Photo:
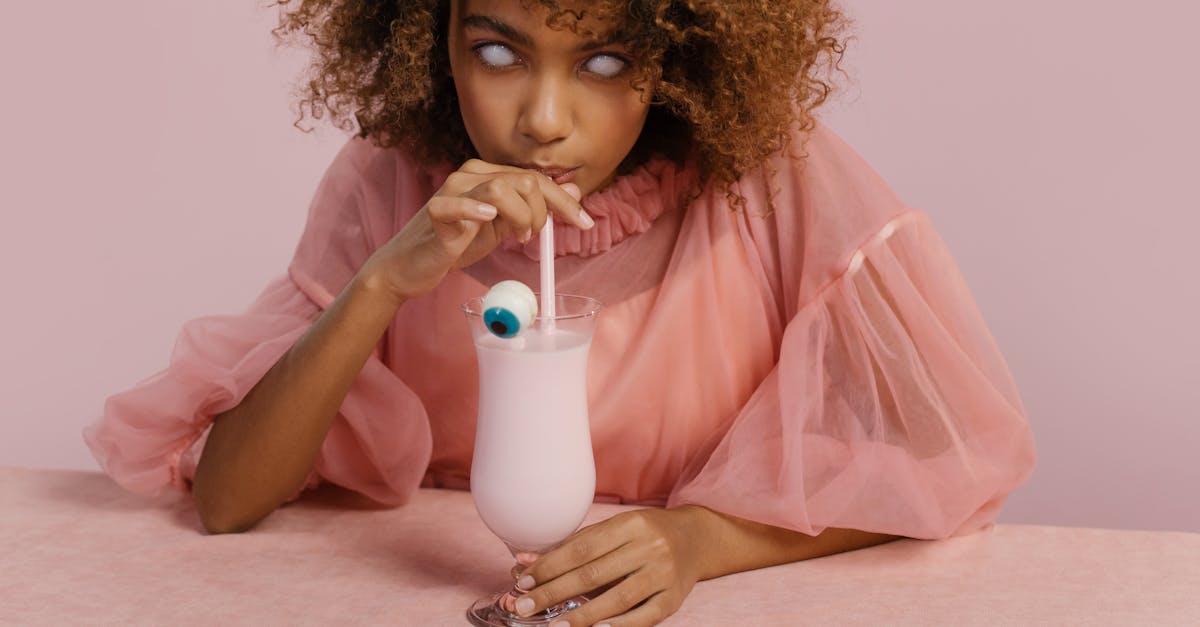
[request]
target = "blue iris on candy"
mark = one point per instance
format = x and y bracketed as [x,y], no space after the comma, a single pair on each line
[502,322]
[509,309]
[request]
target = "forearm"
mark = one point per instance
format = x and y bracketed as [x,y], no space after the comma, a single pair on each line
[734,544]
[260,452]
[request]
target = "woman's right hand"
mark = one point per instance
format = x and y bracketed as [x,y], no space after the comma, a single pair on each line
[478,206]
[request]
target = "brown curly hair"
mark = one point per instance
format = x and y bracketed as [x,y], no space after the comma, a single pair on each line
[730,77]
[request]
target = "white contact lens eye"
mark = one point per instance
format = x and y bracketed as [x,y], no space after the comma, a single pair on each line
[606,65]
[497,55]
[509,308]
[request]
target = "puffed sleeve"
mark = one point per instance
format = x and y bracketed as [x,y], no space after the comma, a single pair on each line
[890,408]
[151,435]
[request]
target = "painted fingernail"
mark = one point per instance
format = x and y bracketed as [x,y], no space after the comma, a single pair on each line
[526,558]
[487,211]
[524,606]
[603,625]
[587,220]
[526,582]
[527,236]
[573,190]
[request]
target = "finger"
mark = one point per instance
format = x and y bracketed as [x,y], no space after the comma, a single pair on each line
[456,221]
[651,612]
[479,166]
[621,600]
[572,190]
[450,209]
[459,181]
[562,200]
[514,211]
[525,558]
[528,185]
[586,578]
[587,545]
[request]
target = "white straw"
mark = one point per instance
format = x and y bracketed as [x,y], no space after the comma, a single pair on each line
[547,267]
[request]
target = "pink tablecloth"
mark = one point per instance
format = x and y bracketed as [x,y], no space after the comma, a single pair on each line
[75,549]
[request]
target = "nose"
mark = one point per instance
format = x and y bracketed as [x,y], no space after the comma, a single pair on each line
[547,114]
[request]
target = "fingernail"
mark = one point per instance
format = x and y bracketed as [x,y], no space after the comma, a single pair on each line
[526,582]
[487,211]
[524,605]
[526,558]
[572,189]
[527,236]
[562,623]
[587,220]
[603,625]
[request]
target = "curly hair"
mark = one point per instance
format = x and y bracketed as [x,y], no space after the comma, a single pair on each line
[730,77]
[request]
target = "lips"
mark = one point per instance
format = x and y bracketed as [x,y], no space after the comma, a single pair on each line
[558,174]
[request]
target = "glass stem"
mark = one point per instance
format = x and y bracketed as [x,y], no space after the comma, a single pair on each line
[508,603]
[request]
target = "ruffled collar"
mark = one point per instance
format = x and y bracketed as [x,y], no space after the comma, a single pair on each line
[626,207]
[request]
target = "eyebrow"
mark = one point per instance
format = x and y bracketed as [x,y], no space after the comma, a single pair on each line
[487,22]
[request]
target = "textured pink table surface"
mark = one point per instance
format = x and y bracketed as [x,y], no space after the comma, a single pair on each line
[75,549]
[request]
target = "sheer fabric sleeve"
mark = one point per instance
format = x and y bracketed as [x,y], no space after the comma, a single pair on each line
[890,408]
[151,435]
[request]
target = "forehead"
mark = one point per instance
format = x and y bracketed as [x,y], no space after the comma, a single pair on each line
[529,17]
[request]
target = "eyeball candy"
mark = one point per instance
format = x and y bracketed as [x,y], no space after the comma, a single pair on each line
[509,308]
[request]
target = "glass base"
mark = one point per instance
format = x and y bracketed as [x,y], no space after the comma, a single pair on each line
[488,612]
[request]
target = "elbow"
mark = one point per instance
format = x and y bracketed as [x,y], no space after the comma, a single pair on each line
[220,515]
[220,523]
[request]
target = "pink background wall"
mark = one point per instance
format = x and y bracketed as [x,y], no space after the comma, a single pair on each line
[149,174]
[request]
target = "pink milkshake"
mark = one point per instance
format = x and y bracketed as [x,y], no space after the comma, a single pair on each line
[532,477]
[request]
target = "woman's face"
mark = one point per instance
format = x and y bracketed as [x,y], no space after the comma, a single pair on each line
[540,98]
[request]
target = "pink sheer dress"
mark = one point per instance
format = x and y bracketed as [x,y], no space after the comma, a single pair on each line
[821,364]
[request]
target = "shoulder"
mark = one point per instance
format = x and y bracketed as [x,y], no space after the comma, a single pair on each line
[818,176]
[810,206]
[365,196]
[361,162]
[379,187]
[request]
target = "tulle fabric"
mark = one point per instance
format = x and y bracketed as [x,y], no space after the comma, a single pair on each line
[889,409]
[813,360]
[152,435]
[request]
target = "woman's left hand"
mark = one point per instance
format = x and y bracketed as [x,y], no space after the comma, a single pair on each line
[652,555]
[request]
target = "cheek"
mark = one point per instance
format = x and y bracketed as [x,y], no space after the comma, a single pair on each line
[637,113]
[482,115]
[621,121]
[630,117]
